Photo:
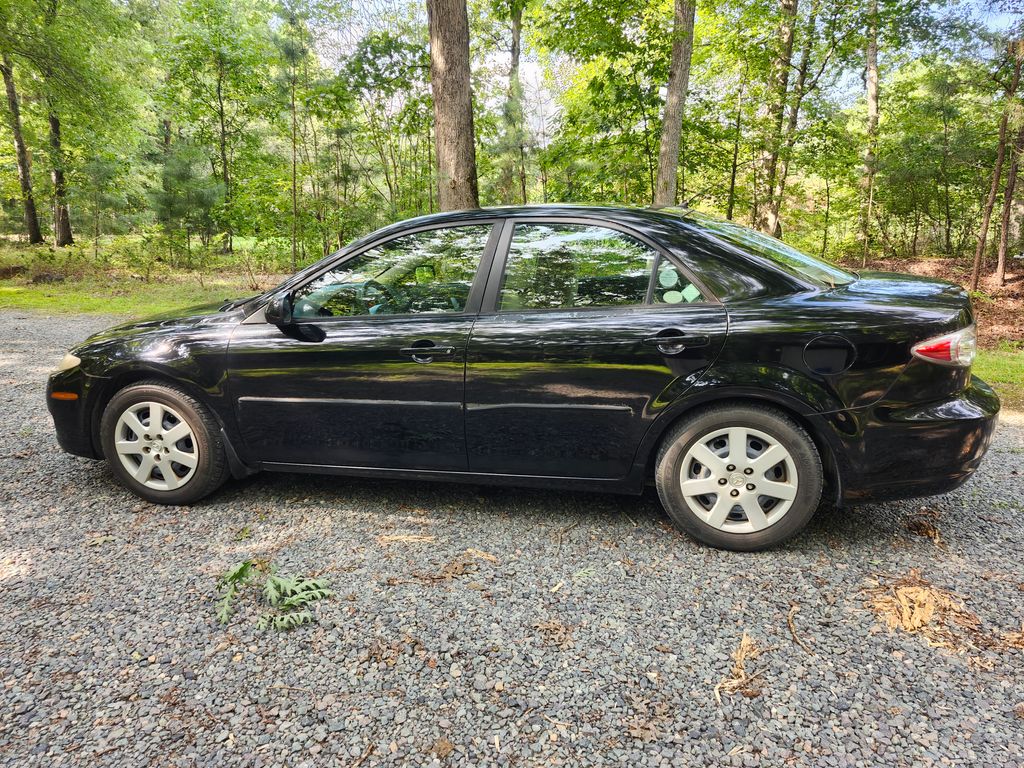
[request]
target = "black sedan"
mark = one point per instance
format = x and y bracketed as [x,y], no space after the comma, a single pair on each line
[557,347]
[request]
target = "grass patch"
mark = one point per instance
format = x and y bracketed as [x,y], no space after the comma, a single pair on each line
[1003,369]
[114,295]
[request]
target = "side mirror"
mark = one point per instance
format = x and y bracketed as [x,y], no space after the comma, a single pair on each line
[278,310]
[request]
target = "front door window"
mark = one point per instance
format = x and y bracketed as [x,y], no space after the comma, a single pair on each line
[424,272]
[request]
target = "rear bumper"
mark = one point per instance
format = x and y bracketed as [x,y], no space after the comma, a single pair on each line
[903,451]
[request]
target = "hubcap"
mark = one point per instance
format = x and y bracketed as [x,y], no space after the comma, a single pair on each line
[156,445]
[738,480]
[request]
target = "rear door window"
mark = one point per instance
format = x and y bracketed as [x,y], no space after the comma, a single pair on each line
[564,266]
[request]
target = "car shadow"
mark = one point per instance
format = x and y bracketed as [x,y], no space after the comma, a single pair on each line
[831,528]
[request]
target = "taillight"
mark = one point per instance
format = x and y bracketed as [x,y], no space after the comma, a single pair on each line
[954,349]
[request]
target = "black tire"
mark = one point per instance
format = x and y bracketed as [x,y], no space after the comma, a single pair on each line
[775,424]
[211,469]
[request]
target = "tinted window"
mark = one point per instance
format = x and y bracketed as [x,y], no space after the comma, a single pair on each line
[553,266]
[425,272]
[672,287]
[785,256]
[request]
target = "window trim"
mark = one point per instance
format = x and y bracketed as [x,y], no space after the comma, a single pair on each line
[492,288]
[476,290]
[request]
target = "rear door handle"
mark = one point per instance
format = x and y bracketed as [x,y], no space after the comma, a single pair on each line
[425,353]
[679,340]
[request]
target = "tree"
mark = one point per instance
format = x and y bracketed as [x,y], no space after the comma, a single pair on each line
[453,104]
[28,199]
[675,102]
[1008,192]
[779,92]
[62,234]
[1016,52]
[870,152]
[217,69]
[514,137]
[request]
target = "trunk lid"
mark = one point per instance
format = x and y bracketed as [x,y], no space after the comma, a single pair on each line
[920,308]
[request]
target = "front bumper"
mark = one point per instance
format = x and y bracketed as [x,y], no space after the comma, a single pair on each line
[904,451]
[72,419]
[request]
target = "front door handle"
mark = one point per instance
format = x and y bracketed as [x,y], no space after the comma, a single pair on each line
[677,341]
[425,352]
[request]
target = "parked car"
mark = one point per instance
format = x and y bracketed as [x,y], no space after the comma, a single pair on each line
[555,347]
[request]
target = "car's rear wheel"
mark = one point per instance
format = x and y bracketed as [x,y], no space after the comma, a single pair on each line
[162,444]
[739,478]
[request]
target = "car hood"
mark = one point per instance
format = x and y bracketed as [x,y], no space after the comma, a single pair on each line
[192,318]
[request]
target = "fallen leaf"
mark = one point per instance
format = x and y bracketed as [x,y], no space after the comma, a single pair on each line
[739,680]
[442,748]
[405,538]
[95,541]
[914,605]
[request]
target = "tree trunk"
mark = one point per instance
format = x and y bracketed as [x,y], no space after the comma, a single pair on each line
[777,107]
[828,210]
[513,171]
[731,204]
[675,102]
[997,172]
[28,200]
[1011,183]
[62,235]
[222,142]
[453,104]
[870,153]
[295,175]
[773,224]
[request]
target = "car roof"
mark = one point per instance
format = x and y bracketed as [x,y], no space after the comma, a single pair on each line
[621,213]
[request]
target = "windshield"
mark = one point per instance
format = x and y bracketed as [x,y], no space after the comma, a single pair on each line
[785,256]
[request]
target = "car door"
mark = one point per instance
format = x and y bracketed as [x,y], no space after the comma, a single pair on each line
[589,330]
[370,372]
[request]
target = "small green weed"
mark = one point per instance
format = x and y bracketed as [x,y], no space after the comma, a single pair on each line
[289,597]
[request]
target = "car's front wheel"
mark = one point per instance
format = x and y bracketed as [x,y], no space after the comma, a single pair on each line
[738,477]
[162,443]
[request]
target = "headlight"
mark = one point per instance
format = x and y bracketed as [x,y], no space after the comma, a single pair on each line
[69,362]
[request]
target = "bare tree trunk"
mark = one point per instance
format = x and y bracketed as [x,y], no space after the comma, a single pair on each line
[28,200]
[62,234]
[1011,183]
[777,107]
[997,172]
[675,102]
[453,104]
[870,153]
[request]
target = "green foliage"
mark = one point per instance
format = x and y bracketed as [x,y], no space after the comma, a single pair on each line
[288,597]
[260,135]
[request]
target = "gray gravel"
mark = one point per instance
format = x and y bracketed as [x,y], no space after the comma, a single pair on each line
[596,636]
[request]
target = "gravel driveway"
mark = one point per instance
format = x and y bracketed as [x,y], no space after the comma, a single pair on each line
[481,626]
